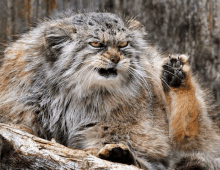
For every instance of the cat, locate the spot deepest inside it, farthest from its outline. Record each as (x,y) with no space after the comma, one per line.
(92,82)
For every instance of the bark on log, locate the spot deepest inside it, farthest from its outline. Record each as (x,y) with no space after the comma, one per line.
(21,150)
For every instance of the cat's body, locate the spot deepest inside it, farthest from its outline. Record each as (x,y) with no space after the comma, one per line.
(91,81)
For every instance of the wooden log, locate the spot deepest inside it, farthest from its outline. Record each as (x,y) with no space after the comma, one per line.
(21,150)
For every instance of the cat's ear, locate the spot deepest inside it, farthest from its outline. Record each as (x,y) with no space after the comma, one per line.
(137,27)
(134,25)
(55,38)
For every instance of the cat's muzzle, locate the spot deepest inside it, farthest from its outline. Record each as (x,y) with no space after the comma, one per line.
(110,72)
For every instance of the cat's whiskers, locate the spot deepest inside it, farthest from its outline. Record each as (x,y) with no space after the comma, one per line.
(161,76)
(156,75)
(143,80)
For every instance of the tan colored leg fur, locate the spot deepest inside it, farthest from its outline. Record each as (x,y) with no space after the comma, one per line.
(184,107)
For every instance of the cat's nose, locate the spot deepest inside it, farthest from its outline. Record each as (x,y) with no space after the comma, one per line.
(115,59)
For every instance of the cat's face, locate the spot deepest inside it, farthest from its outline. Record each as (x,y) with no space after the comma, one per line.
(97,49)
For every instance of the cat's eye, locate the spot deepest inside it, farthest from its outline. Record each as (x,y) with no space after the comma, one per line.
(96,44)
(122,44)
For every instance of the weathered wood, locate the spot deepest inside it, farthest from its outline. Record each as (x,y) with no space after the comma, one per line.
(33,10)
(23,150)
(22,17)
(3,26)
(52,6)
(42,9)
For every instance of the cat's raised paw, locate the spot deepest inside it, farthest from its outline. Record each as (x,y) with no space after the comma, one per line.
(174,71)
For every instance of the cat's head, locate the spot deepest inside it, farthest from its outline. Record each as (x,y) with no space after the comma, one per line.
(95,50)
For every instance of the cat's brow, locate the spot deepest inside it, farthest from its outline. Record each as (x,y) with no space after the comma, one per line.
(94,37)
(128,36)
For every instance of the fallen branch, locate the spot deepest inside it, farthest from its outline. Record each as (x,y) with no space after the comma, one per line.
(23,150)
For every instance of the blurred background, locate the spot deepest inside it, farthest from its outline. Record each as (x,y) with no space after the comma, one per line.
(176,26)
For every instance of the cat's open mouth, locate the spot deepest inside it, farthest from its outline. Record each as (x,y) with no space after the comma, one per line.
(111,72)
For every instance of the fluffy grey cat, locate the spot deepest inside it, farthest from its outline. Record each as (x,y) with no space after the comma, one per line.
(91,82)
